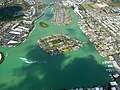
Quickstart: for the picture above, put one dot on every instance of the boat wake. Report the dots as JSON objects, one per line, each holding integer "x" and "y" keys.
{"x": 31, "y": 62}
{"x": 26, "y": 61}
{"x": 51, "y": 10}
{"x": 6, "y": 53}
{"x": 43, "y": 62}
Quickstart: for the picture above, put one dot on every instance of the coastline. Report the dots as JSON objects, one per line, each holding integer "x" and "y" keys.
{"x": 31, "y": 29}
{"x": 2, "y": 57}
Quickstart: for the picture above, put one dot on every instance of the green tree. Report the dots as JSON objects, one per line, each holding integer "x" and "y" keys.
{"x": 94, "y": 1}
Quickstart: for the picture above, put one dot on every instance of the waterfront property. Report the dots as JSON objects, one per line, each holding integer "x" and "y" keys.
{"x": 58, "y": 44}
{"x": 14, "y": 33}
{"x": 102, "y": 27}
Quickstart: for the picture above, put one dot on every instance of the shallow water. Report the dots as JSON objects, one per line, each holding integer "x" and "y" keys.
{"x": 80, "y": 68}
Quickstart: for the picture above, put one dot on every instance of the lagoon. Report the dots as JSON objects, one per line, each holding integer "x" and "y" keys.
{"x": 81, "y": 68}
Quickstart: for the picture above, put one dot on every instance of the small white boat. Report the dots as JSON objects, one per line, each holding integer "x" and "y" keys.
{"x": 110, "y": 66}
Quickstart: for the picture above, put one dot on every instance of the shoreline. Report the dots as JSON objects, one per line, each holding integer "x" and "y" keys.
{"x": 2, "y": 57}
{"x": 29, "y": 33}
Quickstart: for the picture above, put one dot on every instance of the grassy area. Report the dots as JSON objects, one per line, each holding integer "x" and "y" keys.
{"x": 56, "y": 41}
{"x": 67, "y": 49}
{"x": 86, "y": 7}
{"x": 44, "y": 25}
{"x": 94, "y": 1}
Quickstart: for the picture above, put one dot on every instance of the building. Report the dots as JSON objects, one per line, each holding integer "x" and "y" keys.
{"x": 61, "y": 15}
{"x": 6, "y": 3}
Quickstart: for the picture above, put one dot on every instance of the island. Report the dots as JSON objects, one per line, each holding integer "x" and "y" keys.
{"x": 43, "y": 24}
{"x": 1, "y": 57}
{"x": 59, "y": 43}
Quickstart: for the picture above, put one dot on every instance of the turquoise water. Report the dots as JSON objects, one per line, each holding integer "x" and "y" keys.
{"x": 80, "y": 68}
{"x": 46, "y": 1}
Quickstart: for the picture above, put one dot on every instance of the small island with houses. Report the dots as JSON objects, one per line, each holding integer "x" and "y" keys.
{"x": 59, "y": 43}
